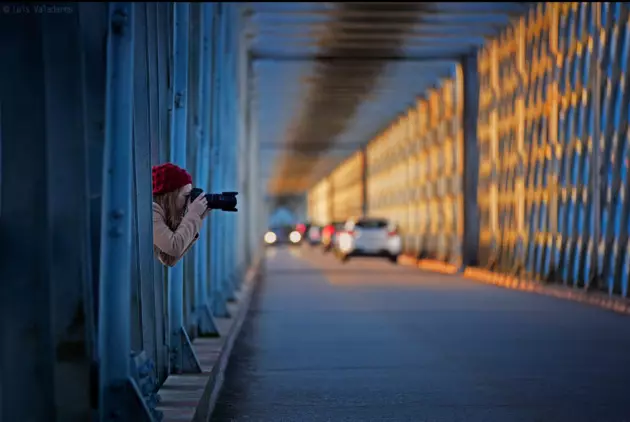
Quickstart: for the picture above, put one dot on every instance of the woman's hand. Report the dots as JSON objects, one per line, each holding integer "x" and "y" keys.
{"x": 199, "y": 205}
{"x": 205, "y": 213}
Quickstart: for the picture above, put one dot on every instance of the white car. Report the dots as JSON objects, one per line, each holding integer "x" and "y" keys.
{"x": 368, "y": 237}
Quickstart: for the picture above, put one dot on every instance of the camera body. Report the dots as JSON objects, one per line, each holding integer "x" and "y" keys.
{"x": 225, "y": 201}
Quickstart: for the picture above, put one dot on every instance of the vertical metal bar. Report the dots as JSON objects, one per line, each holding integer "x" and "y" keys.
{"x": 219, "y": 307}
{"x": 183, "y": 358}
{"x": 192, "y": 156}
{"x": 470, "y": 242}
{"x": 595, "y": 162}
{"x": 234, "y": 173}
{"x": 228, "y": 143}
{"x": 206, "y": 322}
{"x": 155, "y": 283}
{"x": 159, "y": 154}
{"x": 243, "y": 113}
{"x": 119, "y": 396}
{"x": 256, "y": 210}
{"x": 143, "y": 132}
{"x": 116, "y": 219}
{"x": 178, "y": 157}
{"x": 253, "y": 207}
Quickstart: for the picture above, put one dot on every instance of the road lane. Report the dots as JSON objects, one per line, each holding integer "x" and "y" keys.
{"x": 371, "y": 341}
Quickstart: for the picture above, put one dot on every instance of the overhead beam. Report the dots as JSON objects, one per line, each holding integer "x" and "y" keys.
{"x": 273, "y": 33}
{"x": 305, "y": 149}
{"x": 328, "y": 58}
{"x": 371, "y": 45}
{"x": 388, "y": 13}
{"x": 372, "y": 26}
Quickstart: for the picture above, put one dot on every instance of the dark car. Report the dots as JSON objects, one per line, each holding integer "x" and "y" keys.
{"x": 314, "y": 235}
{"x": 282, "y": 235}
{"x": 310, "y": 233}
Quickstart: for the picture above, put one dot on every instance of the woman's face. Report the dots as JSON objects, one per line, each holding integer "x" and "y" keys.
{"x": 182, "y": 197}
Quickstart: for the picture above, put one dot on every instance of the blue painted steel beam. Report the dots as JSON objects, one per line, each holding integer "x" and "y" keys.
{"x": 231, "y": 141}
{"x": 156, "y": 141}
{"x": 146, "y": 291}
{"x": 159, "y": 154}
{"x": 114, "y": 330}
{"x": 244, "y": 113}
{"x": 205, "y": 319}
{"x": 183, "y": 358}
{"x": 470, "y": 241}
{"x": 228, "y": 142}
{"x": 119, "y": 397}
{"x": 218, "y": 248}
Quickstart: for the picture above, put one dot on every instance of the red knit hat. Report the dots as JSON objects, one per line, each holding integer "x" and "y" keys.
{"x": 168, "y": 178}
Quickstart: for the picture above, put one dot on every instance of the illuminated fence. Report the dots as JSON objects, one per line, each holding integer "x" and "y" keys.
{"x": 413, "y": 176}
{"x": 553, "y": 107}
{"x": 319, "y": 203}
{"x": 347, "y": 188}
{"x": 387, "y": 175}
{"x": 415, "y": 171}
{"x": 543, "y": 128}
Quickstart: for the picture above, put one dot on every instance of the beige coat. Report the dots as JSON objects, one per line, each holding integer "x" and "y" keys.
{"x": 174, "y": 244}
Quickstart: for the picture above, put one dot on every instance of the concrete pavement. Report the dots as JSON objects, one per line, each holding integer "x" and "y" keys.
{"x": 371, "y": 341}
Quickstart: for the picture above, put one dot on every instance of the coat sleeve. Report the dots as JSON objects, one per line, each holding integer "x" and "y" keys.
{"x": 174, "y": 243}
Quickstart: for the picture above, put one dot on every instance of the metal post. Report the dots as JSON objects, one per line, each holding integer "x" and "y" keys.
{"x": 159, "y": 154}
{"x": 228, "y": 143}
{"x": 219, "y": 307}
{"x": 255, "y": 209}
{"x": 206, "y": 323}
{"x": 183, "y": 358}
{"x": 232, "y": 145}
{"x": 243, "y": 114}
{"x": 119, "y": 395}
{"x": 595, "y": 151}
{"x": 470, "y": 241}
{"x": 252, "y": 183}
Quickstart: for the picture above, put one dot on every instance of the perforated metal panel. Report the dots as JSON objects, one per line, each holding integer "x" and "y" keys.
{"x": 415, "y": 170}
{"x": 319, "y": 203}
{"x": 347, "y": 188}
{"x": 543, "y": 128}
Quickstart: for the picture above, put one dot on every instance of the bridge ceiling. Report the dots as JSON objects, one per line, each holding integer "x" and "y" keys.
{"x": 327, "y": 77}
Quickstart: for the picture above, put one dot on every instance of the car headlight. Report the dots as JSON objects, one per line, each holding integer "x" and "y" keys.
{"x": 295, "y": 237}
{"x": 270, "y": 237}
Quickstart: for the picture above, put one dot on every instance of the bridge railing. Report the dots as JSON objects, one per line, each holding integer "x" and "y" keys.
{"x": 518, "y": 163}
{"x": 95, "y": 95}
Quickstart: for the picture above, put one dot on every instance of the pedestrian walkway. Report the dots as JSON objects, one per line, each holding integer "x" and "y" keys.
{"x": 371, "y": 341}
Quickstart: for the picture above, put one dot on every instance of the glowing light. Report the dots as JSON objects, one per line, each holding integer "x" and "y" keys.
{"x": 295, "y": 237}
{"x": 270, "y": 237}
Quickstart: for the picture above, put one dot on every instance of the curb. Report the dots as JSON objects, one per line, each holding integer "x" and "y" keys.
{"x": 211, "y": 392}
{"x": 599, "y": 299}
{"x": 429, "y": 265}
{"x": 192, "y": 396}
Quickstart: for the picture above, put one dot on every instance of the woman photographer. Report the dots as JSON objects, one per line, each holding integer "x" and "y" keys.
{"x": 176, "y": 220}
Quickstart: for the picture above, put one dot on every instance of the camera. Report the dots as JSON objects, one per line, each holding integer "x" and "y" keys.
{"x": 225, "y": 201}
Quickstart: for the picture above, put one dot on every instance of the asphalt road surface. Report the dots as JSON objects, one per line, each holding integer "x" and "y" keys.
{"x": 371, "y": 341}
